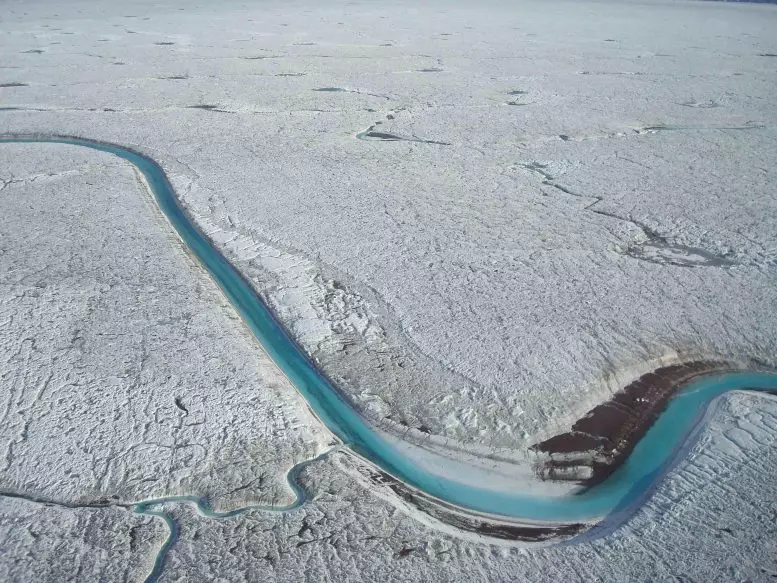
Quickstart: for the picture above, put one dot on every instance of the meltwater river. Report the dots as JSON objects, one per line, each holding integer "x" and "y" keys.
{"x": 623, "y": 489}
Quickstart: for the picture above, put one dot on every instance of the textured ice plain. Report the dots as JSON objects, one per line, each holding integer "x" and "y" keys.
{"x": 126, "y": 375}
{"x": 447, "y": 287}
{"x": 711, "y": 519}
{"x": 603, "y": 204}
{"x": 52, "y": 543}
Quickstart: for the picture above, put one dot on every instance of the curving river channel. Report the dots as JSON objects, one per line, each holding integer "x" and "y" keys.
{"x": 625, "y": 488}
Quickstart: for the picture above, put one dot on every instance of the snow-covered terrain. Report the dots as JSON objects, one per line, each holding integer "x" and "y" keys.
{"x": 126, "y": 375}
{"x": 480, "y": 220}
{"x": 712, "y": 519}
{"x": 447, "y": 286}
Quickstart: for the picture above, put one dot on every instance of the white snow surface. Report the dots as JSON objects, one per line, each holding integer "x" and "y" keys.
{"x": 573, "y": 193}
{"x": 126, "y": 374}
{"x": 605, "y": 202}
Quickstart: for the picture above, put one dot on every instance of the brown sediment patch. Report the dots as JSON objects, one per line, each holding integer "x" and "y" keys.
{"x": 453, "y": 516}
{"x": 600, "y": 442}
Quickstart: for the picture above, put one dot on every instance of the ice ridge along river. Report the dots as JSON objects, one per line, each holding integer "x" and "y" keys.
{"x": 623, "y": 489}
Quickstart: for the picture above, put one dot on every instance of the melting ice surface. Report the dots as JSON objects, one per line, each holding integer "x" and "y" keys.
{"x": 626, "y": 487}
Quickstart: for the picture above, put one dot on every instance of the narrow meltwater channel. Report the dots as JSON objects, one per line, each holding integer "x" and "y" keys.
{"x": 622, "y": 491}
{"x": 155, "y": 507}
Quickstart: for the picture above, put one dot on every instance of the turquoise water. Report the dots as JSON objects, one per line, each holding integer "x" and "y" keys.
{"x": 156, "y": 508}
{"x": 625, "y": 488}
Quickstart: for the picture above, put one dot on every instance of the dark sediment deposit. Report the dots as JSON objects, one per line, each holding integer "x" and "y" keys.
{"x": 600, "y": 442}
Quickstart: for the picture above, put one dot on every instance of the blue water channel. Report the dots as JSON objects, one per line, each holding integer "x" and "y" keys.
{"x": 623, "y": 489}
